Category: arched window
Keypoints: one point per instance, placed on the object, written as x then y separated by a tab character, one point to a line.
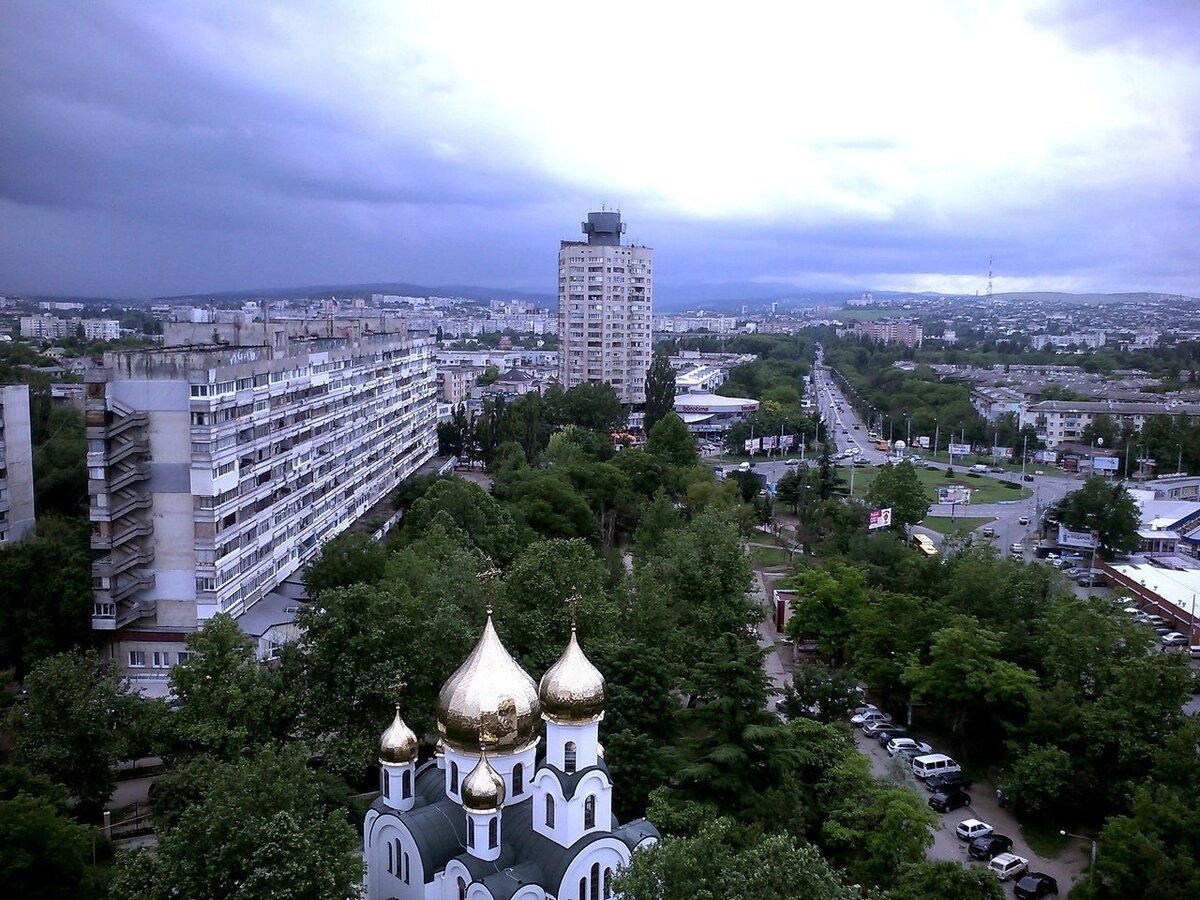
608	884
462	888
471	835
583	888
518	779
408	870
406	784
595	881
569	757
391	865
454	778
549	811
494	832
399	859
589	811
385	780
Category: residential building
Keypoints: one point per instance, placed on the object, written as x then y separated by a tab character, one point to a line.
891	331
16	464
218	469
101	329
605	309
51	328
1059	421
497	813
994	402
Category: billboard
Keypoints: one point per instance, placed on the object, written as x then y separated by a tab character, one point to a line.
1069	538
787	440
769	443
880	518
1002	453
1105	463
960	449
924	442
955	493
751	444
1046	456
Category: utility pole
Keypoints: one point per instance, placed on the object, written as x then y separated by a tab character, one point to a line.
1024	454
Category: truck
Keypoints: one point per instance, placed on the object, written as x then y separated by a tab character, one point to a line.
883	446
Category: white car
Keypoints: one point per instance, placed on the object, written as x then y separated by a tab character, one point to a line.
1006	865
895	745
792	462
1175	639
871	715
969	829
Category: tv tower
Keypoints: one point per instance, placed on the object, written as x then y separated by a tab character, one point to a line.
989	293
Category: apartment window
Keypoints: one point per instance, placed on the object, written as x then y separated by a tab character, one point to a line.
183	656
162	659
137	659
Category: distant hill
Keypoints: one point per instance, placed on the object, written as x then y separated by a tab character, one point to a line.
468	292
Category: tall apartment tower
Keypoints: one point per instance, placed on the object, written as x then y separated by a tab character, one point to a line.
605	298
16	464
219	464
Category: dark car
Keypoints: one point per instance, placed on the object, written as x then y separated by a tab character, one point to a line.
948	782
989	845
1034	885
955	799
884	735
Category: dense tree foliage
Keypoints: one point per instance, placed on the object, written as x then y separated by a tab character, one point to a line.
1106	508
660	391
898	487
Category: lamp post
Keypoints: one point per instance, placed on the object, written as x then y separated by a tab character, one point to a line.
1092	869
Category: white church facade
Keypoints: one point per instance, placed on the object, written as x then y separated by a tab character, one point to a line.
495	815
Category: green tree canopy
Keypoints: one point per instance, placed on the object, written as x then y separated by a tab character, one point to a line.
901	489
485	524
660	391
1106	508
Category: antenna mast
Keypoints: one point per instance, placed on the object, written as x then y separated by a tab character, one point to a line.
989	293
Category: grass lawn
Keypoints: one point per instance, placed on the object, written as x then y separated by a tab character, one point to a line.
768	556
959	525
983	490
1044	841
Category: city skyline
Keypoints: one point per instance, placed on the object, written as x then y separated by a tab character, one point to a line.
162	150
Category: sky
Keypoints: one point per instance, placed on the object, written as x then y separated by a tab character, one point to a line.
151	148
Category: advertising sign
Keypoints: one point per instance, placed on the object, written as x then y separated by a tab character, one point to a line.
924	442
880	518
787	440
1105	463
1002	452
955	493
770	442
751	444
1046	456
1069	538
960	449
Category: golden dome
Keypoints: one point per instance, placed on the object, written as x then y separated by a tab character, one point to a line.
483	788
489	693
398	744
572	690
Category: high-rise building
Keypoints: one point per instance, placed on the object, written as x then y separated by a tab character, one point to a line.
16	464
218	469
605	301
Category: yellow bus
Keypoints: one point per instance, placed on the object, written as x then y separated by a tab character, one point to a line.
924	545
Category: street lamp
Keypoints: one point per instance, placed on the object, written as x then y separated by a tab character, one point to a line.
1081	837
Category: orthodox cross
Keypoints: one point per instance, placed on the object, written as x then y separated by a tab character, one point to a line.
487	576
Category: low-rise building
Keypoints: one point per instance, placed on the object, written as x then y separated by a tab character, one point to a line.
1060	421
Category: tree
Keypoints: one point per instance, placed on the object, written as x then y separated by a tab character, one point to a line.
484	523
816	692
263	827
490	375
828	479
1037	780
725	860
660	391
594	406
43	854
825	605
944	880
1106	509
229	704
550	507
347	559
67	730
671	441
900	488
59	463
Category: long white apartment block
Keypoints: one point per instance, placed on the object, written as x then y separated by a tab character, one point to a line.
605	303
218	468
16	464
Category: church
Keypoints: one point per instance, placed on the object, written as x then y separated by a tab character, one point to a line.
495	815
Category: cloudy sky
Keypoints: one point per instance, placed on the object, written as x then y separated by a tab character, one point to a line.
152	148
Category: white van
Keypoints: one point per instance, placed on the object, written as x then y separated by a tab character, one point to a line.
980	467
934	764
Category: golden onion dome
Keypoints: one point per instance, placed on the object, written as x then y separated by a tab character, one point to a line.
572	690
483	788
489	693
398	744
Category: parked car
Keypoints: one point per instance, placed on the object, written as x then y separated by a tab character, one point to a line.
1008	865
872	728
862	708
895	745
1161	630
949	781
792	462
1023	520
931	467
1034	885
1029	478
1073	572
911	753
1175	639
871	715
1017	548
889	732
989	845
988	531
951	800
969	829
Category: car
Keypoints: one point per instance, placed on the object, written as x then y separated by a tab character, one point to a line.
890	732
988	531
845	431
970	829
1008	865
862	708
911	753
1175	639
871	715
1073	572
872	728
1029	478
1023	520
1161	630
989	845
791	462
1034	885
856	427
998	470
1038	472
950	800
895	745
930	467
949	781
1016	548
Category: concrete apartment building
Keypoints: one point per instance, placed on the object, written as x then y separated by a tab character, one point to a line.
52	328
219	464
605	302
16	464
891	331
1062	421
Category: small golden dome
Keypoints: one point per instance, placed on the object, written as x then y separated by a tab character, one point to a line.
398	744
489	693
483	788
572	690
